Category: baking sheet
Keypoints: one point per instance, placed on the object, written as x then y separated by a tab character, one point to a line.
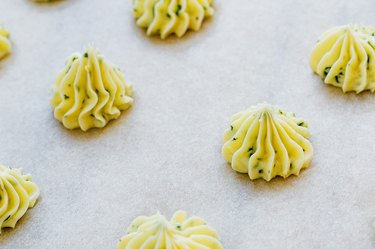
164	154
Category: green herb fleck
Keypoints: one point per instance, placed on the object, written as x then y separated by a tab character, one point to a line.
86	55
301	123
67	71
234	139
178	227
7	218
250	149
260	171
231	128
339	77
168	15
326	72
291	165
92	115
369	43
179	7
66	96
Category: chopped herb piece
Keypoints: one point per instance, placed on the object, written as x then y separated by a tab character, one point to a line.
301	124
260	171
179	7
178	227
369	43
250	149
92	115
86	55
234	139
291	166
338	77
231	128
7	218
96	90
67	71
66	96
168	15
251	154
326	72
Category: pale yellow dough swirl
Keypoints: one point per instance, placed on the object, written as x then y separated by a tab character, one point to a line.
5	45
17	194
345	57
166	17
90	92
156	232
266	142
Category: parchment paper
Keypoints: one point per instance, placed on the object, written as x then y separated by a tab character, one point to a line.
164	154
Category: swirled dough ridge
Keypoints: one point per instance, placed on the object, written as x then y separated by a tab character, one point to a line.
5	45
156	232
266	142
166	17
345	57
90	92
17	194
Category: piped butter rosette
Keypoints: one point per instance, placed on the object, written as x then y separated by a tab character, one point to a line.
166	17
17	194
5	45
181	232
90	92
266	142
345	57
